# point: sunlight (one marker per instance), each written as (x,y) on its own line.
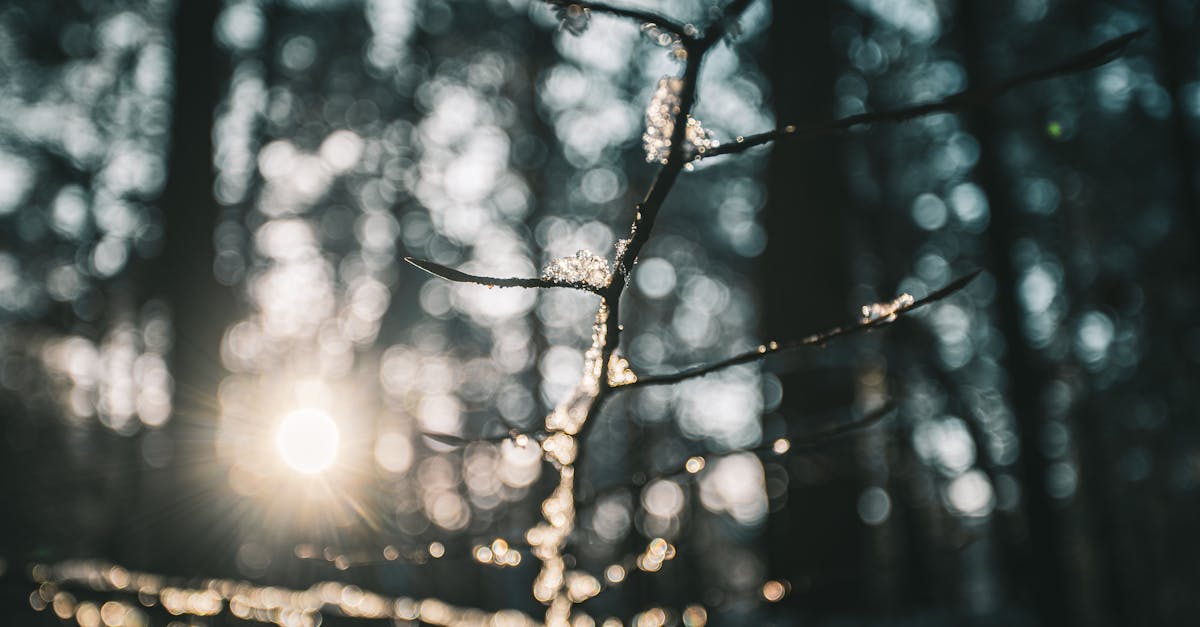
(307,439)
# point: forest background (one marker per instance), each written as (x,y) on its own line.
(205,208)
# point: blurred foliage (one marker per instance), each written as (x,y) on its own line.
(1042,427)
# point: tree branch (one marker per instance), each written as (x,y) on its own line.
(817,339)
(646,212)
(817,438)
(774,448)
(515,435)
(450,274)
(961,101)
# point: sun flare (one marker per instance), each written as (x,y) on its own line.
(307,440)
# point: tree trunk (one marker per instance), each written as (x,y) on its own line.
(1025,369)
(818,536)
(185,492)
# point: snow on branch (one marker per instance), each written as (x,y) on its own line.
(457,276)
(574,16)
(874,316)
(961,101)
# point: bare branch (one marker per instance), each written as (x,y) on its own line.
(518,437)
(817,438)
(450,274)
(817,339)
(685,32)
(961,101)
(646,212)
(774,448)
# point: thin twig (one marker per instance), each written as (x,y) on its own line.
(961,101)
(455,441)
(818,438)
(816,339)
(775,448)
(457,276)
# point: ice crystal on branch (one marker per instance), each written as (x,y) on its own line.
(553,584)
(620,264)
(584,267)
(621,245)
(619,372)
(569,416)
(879,311)
(547,540)
(672,42)
(560,448)
(660,124)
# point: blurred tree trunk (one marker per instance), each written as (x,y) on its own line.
(817,540)
(1174,29)
(1026,372)
(187,491)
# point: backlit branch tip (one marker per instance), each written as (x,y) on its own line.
(962,101)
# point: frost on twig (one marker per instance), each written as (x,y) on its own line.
(660,124)
(676,51)
(582,268)
(879,311)
(450,274)
(619,251)
(619,372)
